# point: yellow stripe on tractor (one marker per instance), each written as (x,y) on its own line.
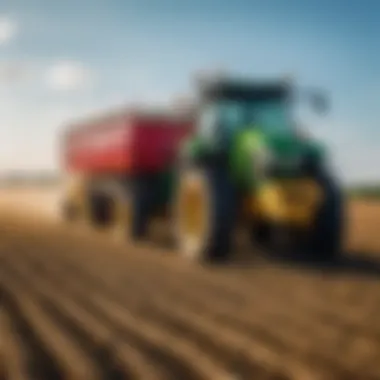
(291,202)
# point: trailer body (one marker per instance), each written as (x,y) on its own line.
(127,143)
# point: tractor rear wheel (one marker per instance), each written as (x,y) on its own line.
(204,214)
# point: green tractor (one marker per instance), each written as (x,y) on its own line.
(246,165)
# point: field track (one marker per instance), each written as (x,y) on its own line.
(75,306)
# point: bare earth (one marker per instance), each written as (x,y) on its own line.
(74,305)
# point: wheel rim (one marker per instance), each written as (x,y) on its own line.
(192,216)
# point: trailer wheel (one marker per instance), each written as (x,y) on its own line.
(127,223)
(131,209)
(69,212)
(121,207)
(141,196)
(75,211)
(204,214)
(100,208)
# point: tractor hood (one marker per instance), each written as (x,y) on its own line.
(287,144)
(290,150)
(277,154)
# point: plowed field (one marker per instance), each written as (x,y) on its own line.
(74,305)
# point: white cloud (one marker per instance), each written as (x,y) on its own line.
(11,72)
(8,29)
(67,76)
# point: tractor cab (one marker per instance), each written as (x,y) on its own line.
(262,112)
(229,106)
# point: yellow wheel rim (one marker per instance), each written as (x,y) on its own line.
(193,215)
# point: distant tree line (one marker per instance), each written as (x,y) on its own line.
(371,191)
(29,178)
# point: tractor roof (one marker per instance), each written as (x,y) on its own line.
(244,89)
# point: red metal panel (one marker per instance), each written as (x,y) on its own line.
(125,144)
(156,143)
(101,147)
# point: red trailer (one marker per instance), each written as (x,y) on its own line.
(121,165)
(128,142)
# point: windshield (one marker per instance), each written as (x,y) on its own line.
(271,115)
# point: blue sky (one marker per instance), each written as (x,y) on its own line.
(60,60)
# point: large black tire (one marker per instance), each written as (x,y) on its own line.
(261,234)
(141,193)
(100,208)
(75,210)
(327,235)
(221,206)
(128,207)
(108,201)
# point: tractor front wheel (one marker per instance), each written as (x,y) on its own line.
(327,235)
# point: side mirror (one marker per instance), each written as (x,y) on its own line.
(315,98)
(319,102)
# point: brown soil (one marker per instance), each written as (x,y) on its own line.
(74,305)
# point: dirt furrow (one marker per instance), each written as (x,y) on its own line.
(119,306)
(226,284)
(257,324)
(237,352)
(117,359)
(302,302)
(149,304)
(324,340)
(222,340)
(192,356)
(55,352)
(14,356)
(179,355)
(317,325)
